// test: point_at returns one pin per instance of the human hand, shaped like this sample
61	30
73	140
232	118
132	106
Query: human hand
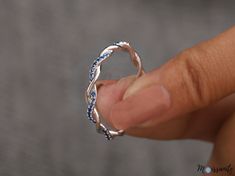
189	97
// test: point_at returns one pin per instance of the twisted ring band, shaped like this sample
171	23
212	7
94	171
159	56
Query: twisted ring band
91	91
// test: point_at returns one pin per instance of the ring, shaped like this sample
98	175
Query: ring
91	91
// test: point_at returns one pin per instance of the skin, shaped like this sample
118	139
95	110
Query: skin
190	97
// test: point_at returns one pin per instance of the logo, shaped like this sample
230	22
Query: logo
209	169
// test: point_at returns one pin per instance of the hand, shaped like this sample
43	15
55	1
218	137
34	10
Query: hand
191	96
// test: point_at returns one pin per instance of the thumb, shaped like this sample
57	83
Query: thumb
192	80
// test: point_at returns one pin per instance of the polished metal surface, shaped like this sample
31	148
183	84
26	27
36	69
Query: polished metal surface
91	92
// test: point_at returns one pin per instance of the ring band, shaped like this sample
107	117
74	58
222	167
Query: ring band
91	92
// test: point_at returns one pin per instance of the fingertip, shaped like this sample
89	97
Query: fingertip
100	83
106	98
110	92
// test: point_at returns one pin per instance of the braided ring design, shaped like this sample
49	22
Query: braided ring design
91	92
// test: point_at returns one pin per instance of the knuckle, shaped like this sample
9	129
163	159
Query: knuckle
194	76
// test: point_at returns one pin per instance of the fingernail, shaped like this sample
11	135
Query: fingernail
141	107
141	83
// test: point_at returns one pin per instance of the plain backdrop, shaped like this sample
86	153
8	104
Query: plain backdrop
46	48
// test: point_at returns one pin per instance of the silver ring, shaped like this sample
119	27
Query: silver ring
91	92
